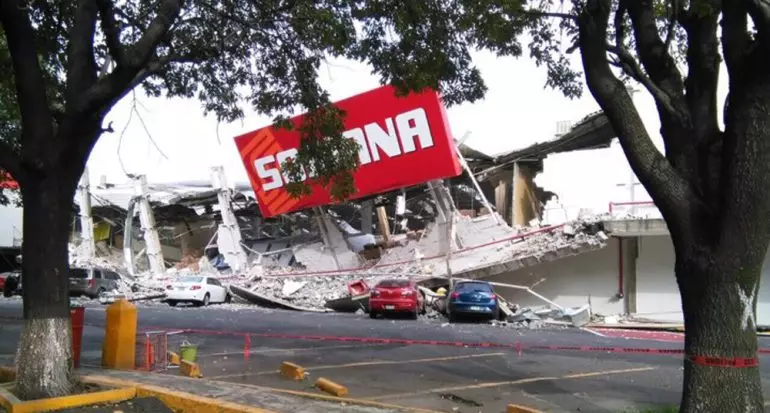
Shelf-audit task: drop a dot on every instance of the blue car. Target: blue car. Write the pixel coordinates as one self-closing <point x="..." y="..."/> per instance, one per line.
<point x="472" y="298"/>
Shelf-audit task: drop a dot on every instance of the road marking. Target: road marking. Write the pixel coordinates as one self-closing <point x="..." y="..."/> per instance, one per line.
<point x="511" y="383"/>
<point x="288" y="350"/>
<point x="588" y="330"/>
<point x="343" y="400"/>
<point x="368" y="363"/>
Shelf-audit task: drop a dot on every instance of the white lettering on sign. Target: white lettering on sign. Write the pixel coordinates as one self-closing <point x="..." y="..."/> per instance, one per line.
<point x="397" y="138"/>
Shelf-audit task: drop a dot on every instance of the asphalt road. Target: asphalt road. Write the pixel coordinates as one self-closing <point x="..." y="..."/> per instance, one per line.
<point x="437" y="376"/>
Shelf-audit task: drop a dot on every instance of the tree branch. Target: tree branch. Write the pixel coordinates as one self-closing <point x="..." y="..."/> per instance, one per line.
<point x="631" y="67"/>
<point x="138" y="58"/>
<point x="620" y="25"/>
<point x="736" y="40"/>
<point x="672" y="19"/>
<point x="144" y="49"/>
<point x="652" y="52"/>
<point x="670" y="191"/>
<point x="703" y="71"/>
<point x="536" y="13"/>
<point x="759" y="11"/>
<point x="111" y="30"/>
<point x="81" y="66"/>
<point x="36" y="120"/>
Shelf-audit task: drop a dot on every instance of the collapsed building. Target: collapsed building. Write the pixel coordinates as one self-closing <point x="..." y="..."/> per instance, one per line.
<point x="306" y="259"/>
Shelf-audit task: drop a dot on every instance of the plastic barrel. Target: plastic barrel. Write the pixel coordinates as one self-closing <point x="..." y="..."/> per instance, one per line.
<point x="77" y="318"/>
<point x="188" y="353"/>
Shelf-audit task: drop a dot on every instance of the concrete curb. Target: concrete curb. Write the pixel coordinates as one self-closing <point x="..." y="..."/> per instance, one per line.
<point x="515" y="408"/>
<point x="176" y="400"/>
<point x="334" y="399"/>
<point x="12" y="404"/>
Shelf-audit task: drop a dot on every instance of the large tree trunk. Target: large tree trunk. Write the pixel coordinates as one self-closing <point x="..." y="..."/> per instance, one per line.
<point x="44" y="358"/>
<point x="719" y="306"/>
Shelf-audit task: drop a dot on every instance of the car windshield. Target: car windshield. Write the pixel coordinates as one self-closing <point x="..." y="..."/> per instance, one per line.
<point x="190" y="280"/>
<point x="393" y="283"/>
<point x="78" y="273"/>
<point x="475" y="287"/>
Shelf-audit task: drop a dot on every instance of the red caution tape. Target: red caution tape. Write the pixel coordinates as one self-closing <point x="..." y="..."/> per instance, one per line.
<point x="518" y="346"/>
<point x="724" y="362"/>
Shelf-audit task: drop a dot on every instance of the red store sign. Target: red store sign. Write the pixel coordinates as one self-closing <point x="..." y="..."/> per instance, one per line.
<point x="403" y="141"/>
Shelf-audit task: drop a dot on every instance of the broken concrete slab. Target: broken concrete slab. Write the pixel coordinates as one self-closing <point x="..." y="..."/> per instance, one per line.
<point x="290" y="287"/>
<point x="268" y="302"/>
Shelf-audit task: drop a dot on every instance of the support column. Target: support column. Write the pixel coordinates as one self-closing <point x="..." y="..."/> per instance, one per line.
<point x="88" y="246"/>
<point x="383" y="224"/>
<point x="501" y="199"/>
<point x="321" y="220"/>
<point x="631" y="250"/>
<point x="228" y="233"/>
<point x="147" y="219"/>
<point x="525" y="203"/>
<point x="366" y="217"/>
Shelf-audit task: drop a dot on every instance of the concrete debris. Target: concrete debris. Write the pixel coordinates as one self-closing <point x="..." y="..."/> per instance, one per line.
<point x="316" y="290"/>
<point x="290" y="287"/>
<point x="254" y="297"/>
<point x="316" y="275"/>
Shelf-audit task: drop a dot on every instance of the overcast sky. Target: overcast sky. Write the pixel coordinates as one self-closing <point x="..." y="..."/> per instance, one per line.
<point x="516" y="112"/>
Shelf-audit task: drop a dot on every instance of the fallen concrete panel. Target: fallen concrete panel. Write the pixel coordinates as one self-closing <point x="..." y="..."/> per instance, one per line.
<point x="486" y="270"/>
<point x="135" y="298"/>
<point x="636" y="227"/>
<point x="267" y="302"/>
<point x="348" y="304"/>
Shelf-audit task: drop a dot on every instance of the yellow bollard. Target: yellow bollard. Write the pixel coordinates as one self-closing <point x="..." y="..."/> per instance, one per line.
<point x="119" y="348"/>
<point x="292" y="371"/>
<point x="331" y="387"/>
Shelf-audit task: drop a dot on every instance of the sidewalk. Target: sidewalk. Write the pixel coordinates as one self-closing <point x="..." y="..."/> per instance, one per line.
<point x="243" y="394"/>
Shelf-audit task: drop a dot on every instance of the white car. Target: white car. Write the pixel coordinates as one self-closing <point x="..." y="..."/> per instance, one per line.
<point x="196" y="289"/>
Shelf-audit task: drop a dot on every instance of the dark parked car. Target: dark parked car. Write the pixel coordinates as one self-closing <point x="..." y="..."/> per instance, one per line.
<point x="92" y="282"/>
<point x="473" y="298"/>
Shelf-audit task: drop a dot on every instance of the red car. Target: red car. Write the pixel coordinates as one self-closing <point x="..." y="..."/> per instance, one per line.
<point x="395" y="296"/>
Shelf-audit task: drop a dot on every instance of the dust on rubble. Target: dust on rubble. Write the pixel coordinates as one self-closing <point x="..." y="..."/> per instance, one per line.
<point x="482" y="245"/>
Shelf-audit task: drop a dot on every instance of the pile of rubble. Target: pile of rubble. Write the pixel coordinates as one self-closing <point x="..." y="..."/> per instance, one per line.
<point x="310" y="291"/>
<point x="482" y="247"/>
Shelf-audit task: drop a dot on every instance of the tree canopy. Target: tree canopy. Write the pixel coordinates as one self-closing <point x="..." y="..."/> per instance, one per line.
<point x="229" y="54"/>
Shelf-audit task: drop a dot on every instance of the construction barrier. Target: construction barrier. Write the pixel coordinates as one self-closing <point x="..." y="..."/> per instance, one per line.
<point x="518" y="346"/>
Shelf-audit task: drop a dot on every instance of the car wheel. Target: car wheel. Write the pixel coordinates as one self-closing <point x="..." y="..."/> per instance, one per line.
<point x="452" y="318"/>
<point x="172" y="303"/>
<point x="206" y="299"/>
<point x="228" y="298"/>
<point x="99" y="292"/>
<point x="372" y="314"/>
<point x="415" y="314"/>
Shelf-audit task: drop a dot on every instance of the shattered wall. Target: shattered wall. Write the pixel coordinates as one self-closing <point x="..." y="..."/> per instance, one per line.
<point x="572" y="281"/>
<point x="320" y="258"/>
